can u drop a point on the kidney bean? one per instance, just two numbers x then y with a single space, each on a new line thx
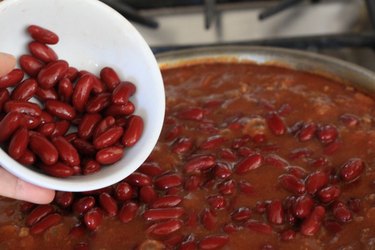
4 97
120 109
64 199
341 212
93 218
87 125
194 114
61 127
251 162
188 245
352 169
213 242
84 147
275 212
46 118
108 204
212 142
259 227
302 206
227 187
329 194
276 161
123 191
30 65
199 163
182 145
168 181
216 202
46 223
192 183
65 89
110 78
71 137
327 134
147 194
57 169
241 214
316 181
11 79
311 225
167 201
163 213
32 122
98 103
138 179
51 74
307 132
275 123
109 155
349 120
9 124
25 207
43 148
150 168
38 213
46 94
67 152
18 143
42 52
122 92
165 227
23 107
292 184
81 92
222 171
84 204
297 172
128 212
245 187
91 167
103 125
28 158
287 235
108 137
25 90
42 35
133 131
60 109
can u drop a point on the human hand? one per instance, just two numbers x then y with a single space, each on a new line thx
10 185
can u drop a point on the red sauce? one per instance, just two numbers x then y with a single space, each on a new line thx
251 157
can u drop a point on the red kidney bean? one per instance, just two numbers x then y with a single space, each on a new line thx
245 151
67 152
217 202
51 74
122 92
9 124
108 204
46 223
97 86
275 123
168 181
227 154
91 167
109 155
42 35
349 120
138 179
275 212
81 92
4 97
46 94
147 194
327 134
311 225
93 218
84 147
163 213
103 125
43 148
316 181
194 114
23 107
251 162
42 52
120 109
307 132
45 117
165 227
341 212
292 184
11 79
192 183
188 245
30 65
332 148
222 171
28 158
108 137
65 89
276 161
57 169
84 204
64 199
60 109
174 132
98 103
259 227
199 163
182 145
18 143
25 90
246 187
133 131
302 206
241 214
352 169
213 242
123 191
61 127
150 168
110 78
260 207
329 194
297 172
288 234
32 122
38 213
128 212
167 201
87 125
212 142
25 207
71 137
227 187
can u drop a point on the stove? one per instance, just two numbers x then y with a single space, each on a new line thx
340 28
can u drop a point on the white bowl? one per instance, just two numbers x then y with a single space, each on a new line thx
92 35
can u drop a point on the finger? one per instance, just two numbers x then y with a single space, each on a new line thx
13 187
7 63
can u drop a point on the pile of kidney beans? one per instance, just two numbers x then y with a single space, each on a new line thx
81 123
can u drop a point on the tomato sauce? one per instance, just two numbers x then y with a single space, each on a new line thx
250 157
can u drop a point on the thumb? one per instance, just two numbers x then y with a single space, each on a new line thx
7 63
